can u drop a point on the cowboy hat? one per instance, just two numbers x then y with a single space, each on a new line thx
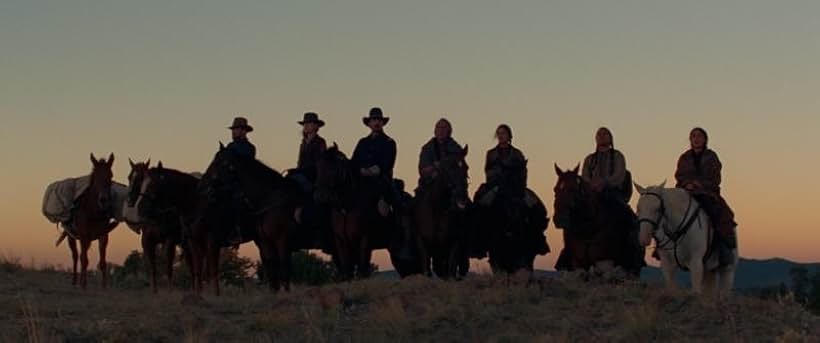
241 123
375 113
311 117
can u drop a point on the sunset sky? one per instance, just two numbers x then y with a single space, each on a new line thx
162 79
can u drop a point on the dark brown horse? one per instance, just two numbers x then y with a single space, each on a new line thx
358 228
439 214
509 228
269 201
594 234
91 220
157 227
167 201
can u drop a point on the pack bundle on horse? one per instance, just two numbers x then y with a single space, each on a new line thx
90 215
268 200
358 227
685 238
440 218
513 224
161 219
594 234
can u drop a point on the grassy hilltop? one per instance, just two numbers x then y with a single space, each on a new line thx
41 306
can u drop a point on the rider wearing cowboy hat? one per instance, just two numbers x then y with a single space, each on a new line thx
239 134
240 146
375 155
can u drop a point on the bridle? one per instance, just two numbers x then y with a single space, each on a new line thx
662 220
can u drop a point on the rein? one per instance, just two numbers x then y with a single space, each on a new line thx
674 236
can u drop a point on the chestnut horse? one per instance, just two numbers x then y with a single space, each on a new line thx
157 226
269 201
91 220
440 213
358 228
594 234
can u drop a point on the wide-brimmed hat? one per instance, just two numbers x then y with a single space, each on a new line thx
311 117
241 123
375 113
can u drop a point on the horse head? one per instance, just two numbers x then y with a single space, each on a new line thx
333 171
222 165
453 175
101 179
135 180
571 194
651 211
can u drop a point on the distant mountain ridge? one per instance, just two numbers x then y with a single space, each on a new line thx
751 273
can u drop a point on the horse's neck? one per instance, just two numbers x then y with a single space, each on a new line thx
185 192
679 206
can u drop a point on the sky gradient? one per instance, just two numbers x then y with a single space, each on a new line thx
162 79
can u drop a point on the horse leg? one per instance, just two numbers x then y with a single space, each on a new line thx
424 258
669 270
343 257
213 266
710 282
365 256
171 255
696 270
198 266
454 261
72 245
149 250
284 261
84 246
103 264
727 279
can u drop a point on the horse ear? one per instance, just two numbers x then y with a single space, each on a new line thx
221 146
93 159
148 163
663 184
335 146
557 169
131 163
466 150
576 169
110 159
640 189
159 165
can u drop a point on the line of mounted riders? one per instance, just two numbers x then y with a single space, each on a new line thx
348 207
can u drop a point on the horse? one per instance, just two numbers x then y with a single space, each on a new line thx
508 228
439 214
168 202
91 220
684 236
270 200
159 226
358 227
595 235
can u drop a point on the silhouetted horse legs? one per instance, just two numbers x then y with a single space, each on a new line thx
170 254
149 246
344 255
212 264
72 245
365 256
103 265
84 246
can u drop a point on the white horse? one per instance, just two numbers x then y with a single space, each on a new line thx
683 234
